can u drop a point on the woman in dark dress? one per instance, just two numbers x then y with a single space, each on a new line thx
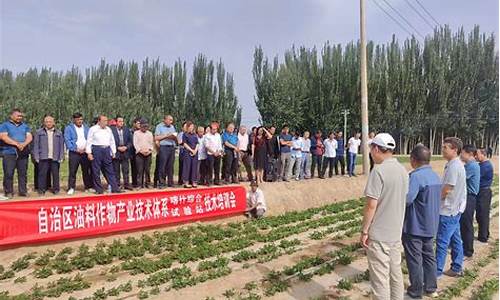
259 150
190 157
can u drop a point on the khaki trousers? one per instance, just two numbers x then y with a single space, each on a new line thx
386 277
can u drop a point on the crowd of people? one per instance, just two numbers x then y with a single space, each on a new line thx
208 155
439 210
402 212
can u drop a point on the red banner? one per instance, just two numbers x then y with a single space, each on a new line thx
23 222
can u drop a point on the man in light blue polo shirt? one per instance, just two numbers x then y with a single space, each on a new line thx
16 136
473 174
167 136
453 201
231 154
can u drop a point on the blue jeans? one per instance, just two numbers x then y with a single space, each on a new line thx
305 168
352 163
449 236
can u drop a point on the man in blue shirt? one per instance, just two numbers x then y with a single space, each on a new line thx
16 136
167 136
339 158
231 154
285 152
472 173
483 201
75 138
420 223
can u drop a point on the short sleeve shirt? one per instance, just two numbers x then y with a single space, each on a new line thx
162 129
297 144
285 148
17 132
454 175
472 174
306 145
388 184
354 145
190 139
330 147
202 152
231 138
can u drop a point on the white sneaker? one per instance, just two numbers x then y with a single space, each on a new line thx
3 198
432 295
91 191
109 188
71 191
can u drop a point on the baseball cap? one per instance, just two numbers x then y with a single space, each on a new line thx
384 140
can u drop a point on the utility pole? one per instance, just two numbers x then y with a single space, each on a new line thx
345 113
364 92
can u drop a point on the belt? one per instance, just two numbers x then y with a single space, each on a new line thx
100 146
169 146
306 152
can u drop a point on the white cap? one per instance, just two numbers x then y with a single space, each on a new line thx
384 140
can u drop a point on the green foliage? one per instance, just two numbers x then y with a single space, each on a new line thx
7 274
345 284
22 263
150 90
143 294
21 279
486 290
447 85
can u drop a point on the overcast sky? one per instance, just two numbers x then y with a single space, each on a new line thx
62 33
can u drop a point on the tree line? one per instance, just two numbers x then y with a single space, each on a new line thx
418 92
149 90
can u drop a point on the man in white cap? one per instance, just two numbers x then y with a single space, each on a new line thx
383 216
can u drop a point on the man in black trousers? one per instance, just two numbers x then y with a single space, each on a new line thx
123 143
75 137
166 135
16 136
483 203
101 149
131 152
48 153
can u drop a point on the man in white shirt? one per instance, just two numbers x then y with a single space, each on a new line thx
213 146
295 156
256 204
330 154
245 155
353 145
101 149
305 168
202 155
